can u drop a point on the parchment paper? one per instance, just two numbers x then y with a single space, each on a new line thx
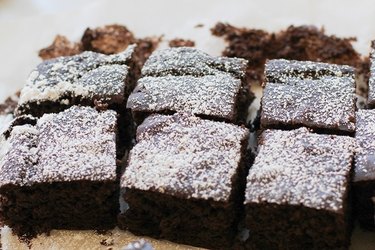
27 26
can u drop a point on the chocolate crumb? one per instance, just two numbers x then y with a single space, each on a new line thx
61 46
179 42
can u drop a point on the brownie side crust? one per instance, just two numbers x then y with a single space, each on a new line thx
371 81
326 105
188 80
185 180
297 194
364 174
60 173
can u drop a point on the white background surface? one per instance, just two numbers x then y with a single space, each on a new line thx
29 25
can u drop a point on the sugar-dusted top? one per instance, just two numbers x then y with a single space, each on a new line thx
185 156
298 167
77 144
281 70
211 95
365 156
191 61
327 103
88 75
371 82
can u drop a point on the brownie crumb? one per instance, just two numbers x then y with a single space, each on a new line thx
10 104
107 242
304 43
199 25
61 46
179 42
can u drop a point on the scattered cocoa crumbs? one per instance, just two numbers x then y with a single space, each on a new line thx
61 46
178 42
296 42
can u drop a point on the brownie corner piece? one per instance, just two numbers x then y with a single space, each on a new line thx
297 193
184 180
83 79
60 173
371 81
364 172
188 80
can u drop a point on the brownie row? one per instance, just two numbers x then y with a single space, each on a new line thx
185 177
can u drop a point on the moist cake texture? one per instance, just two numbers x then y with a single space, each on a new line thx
60 173
184 179
364 174
188 80
297 194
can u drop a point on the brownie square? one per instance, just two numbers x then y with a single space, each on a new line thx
364 174
87 79
60 173
326 105
297 193
185 180
188 80
281 70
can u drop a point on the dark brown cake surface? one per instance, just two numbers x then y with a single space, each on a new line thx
281 70
86 76
77 144
304 43
185 156
364 172
327 105
211 95
297 191
190 61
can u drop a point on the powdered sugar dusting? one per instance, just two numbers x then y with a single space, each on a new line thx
185 156
76 144
70 75
328 103
365 157
281 70
190 61
213 95
298 167
371 82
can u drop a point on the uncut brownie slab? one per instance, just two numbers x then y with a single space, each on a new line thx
364 174
297 191
60 173
326 105
185 180
281 70
188 80
87 79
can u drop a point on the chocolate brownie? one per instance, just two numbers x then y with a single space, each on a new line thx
297 193
185 180
60 173
188 80
326 105
85 79
364 174
304 43
281 70
179 42
61 46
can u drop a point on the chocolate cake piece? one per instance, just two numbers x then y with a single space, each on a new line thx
61 46
281 70
85 79
364 174
60 173
184 180
297 193
326 105
188 80
304 43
